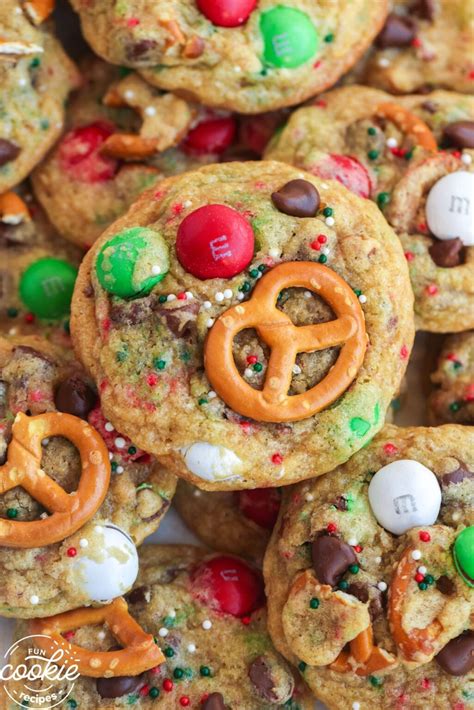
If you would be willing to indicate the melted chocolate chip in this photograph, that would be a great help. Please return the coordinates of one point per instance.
(457, 476)
(8, 151)
(397, 32)
(298, 198)
(215, 701)
(74, 396)
(22, 351)
(360, 591)
(121, 685)
(457, 657)
(445, 585)
(429, 106)
(181, 321)
(137, 50)
(425, 9)
(140, 595)
(331, 558)
(459, 134)
(447, 253)
(261, 676)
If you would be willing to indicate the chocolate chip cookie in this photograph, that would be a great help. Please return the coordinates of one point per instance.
(168, 300)
(369, 574)
(452, 399)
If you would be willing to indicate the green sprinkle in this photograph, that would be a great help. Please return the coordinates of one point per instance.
(353, 569)
(202, 400)
(374, 681)
(245, 288)
(35, 62)
(371, 131)
(121, 356)
(429, 579)
(178, 673)
(409, 155)
(358, 292)
(113, 465)
(314, 603)
(185, 356)
(359, 426)
(457, 364)
(12, 513)
(254, 273)
(383, 198)
(12, 312)
(322, 259)
(327, 211)
(44, 124)
(72, 703)
(343, 584)
(455, 406)
(132, 450)
(153, 692)
(302, 666)
(262, 268)
(205, 671)
(329, 37)
(422, 586)
(258, 367)
(162, 299)
(169, 653)
(159, 364)
(373, 154)
(124, 71)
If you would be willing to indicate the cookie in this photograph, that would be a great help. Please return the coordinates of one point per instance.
(166, 298)
(424, 45)
(36, 77)
(52, 563)
(369, 574)
(38, 269)
(243, 56)
(239, 522)
(206, 612)
(386, 149)
(452, 399)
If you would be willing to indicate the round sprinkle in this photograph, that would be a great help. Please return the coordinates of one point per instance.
(155, 269)
(352, 541)
(171, 297)
(309, 497)
(163, 632)
(210, 322)
(382, 586)
(206, 624)
(416, 554)
(355, 706)
(228, 293)
(119, 442)
(314, 603)
(119, 469)
(392, 142)
(207, 305)
(466, 158)
(296, 370)
(109, 426)
(383, 62)
(191, 647)
(362, 298)
(34, 599)
(219, 297)
(129, 94)
(83, 542)
(422, 570)
(329, 221)
(189, 295)
(150, 111)
(248, 372)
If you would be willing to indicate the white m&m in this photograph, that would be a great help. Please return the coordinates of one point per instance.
(450, 207)
(403, 495)
(210, 462)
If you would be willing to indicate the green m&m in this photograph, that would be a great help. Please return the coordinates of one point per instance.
(132, 262)
(46, 287)
(463, 554)
(290, 38)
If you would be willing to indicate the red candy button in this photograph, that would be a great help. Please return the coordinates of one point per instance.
(80, 156)
(260, 505)
(227, 13)
(214, 242)
(347, 171)
(229, 585)
(213, 136)
(256, 131)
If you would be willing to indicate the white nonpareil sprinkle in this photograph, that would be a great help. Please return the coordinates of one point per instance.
(392, 142)
(241, 296)
(416, 555)
(187, 203)
(210, 322)
(466, 158)
(191, 647)
(101, 635)
(22, 81)
(382, 586)
(274, 253)
(307, 294)
(296, 370)
(228, 293)
(248, 372)
(421, 569)
(309, 497)
(211, 394)
(34, 599)
(129, 94)
(98, 529)
(326, 251)
(237, 69)
(45, 442)
(163, 632)
(43, 516)
(110, 456)
(119, 442)
(172, 614)
(206, 624)
(378, 560)
(352, 541)
(355, 706)
(155, 269)
(108, 426)
(362, 298)
(207, 305)
(119, 469)
(219, 296)
(83, 542)
(150, 111)
(171, 297)
(189, 295)
(329, 221)
(384, 62)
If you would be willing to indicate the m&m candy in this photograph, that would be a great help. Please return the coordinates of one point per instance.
(214, 241)
(450, 207)
(346, 170)
(290, 38)
(463, 553)
(212, 136)
(229, 585)
(46, 287)
(227, 13)
(132, 262)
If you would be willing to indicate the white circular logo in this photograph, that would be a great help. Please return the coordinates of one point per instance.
(35, 678)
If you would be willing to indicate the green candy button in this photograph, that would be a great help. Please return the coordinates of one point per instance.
(46, 287)
(133, 262)
(463, 553)
(289, 36)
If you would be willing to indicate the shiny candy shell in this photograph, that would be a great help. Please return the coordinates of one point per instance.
(46, 287)
(132, 262)
(227, 13)
(404, 494)
(463, 552)
(108, 566)
(211, 462)
(290, 38)
(229, 585)
(450, 207)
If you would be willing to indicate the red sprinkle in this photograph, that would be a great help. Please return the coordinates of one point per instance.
(451, 356)
(29, 318)
(181, 296)
(321, 103)
(422, 227)
(456, 153)
(358, 548)
(252, 359)
(424, 536)
(316, 65)
(315, 245)
(167, 685)
(184, 701)
(409, 255)
(69, 635)
(469, 396)
(331, 527)
(390, 449)
(404, 352)
(71, 552)
(416, 42)
(322, 239)
(204, 698)
(426, 683)
(245, 620)
(145, 689)
(152, 379)
(432, 289)
(133, 22)
(419, 577)
(277, 459)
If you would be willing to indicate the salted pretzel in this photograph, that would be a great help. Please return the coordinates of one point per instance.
(363, 657)
(410, 124)
(16, 48)
(272, 403)
(69, 511)
(165, 119)
(139, 652)
(12, 208)
(38, 10)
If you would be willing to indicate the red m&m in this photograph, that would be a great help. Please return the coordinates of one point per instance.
(346, 170)
(212, 136)
(229, 585)
(214, 242)
(260, 505)
(227, 13)
(80, 155)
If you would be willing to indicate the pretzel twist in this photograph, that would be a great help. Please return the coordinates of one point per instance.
(13, 209)
(410, 124)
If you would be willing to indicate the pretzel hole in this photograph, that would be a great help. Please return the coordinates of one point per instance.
(95, 637)
(359, 141)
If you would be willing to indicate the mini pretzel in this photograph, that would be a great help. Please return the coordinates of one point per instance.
(140, 652)
(38, 10)
(272, 403)
(417, 642)
(166, 119)
(12, 48)
(410, 124)
(23, 468)
(12, 209)
(363, 658)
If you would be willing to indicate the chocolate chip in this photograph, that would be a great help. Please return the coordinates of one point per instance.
(397, 32)
(459, 134)
(429, 106)
(457, 476)
(447, 253)
(261, 676)
(298, 198)
(457, 657)
(360, 591)
(23, 351)
(74, 396)
(341, 503)
(445, 585)
(331, 558)
(138, 49)
(8, 151)
(214, 701)
(140, 595)
(121, 685)
(425, 9)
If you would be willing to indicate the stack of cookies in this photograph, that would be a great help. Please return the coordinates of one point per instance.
(221, 225)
